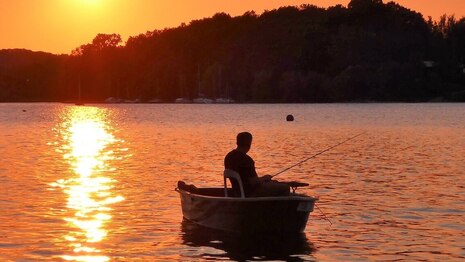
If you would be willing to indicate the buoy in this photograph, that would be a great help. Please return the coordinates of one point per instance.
(290, 118)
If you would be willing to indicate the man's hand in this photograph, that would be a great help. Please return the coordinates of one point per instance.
(259, 180)
(266, 178)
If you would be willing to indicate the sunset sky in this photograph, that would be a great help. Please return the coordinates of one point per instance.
(58, 26)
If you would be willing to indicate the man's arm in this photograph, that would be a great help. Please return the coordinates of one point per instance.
(253, 179)
(258, 180)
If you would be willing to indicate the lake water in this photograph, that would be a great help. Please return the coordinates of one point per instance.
(96, 183)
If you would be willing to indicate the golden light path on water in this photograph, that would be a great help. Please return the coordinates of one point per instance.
(89, 189)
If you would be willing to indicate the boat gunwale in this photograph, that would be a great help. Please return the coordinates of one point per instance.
(250, 199)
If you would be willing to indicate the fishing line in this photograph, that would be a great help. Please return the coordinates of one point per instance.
(317, 154)
(324, 215)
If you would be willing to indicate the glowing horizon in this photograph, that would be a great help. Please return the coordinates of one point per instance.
(59, 26)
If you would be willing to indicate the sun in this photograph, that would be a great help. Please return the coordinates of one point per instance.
(91, 2)
(88, 3)
(87, 7)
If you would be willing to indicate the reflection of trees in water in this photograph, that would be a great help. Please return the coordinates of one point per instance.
(247, 247)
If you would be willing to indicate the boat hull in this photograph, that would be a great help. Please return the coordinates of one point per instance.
(287, 214)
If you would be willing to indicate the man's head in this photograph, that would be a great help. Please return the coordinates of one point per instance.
(244, 141)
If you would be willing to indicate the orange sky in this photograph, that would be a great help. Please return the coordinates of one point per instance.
(58, 26)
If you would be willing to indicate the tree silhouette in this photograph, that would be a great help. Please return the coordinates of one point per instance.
(367, 51)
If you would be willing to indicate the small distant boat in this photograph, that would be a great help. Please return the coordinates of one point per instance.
(182, 100)
(112, 100)
(133, 101)
(209, 207)
(203, 100)
(223, 100)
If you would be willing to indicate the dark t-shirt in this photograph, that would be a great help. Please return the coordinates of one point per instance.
(245, 166)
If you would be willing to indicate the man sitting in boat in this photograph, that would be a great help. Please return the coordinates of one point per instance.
(254, 186)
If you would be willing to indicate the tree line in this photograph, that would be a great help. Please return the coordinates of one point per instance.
(367, 51)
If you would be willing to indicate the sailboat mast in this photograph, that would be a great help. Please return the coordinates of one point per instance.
(79, 88)
(198, 80)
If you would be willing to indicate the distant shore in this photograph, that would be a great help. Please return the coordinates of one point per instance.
(369, 51)
(433, 101)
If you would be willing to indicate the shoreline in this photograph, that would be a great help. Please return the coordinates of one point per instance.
(235, 103)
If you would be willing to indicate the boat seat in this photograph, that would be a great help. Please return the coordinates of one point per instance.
(231, 174)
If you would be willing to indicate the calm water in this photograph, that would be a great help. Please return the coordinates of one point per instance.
(96, 183)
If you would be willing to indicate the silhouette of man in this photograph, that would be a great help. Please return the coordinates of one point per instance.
(254, 186)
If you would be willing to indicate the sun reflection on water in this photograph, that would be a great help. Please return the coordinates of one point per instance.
(89, 190)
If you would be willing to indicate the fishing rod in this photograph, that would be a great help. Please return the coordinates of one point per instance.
(317, 154)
